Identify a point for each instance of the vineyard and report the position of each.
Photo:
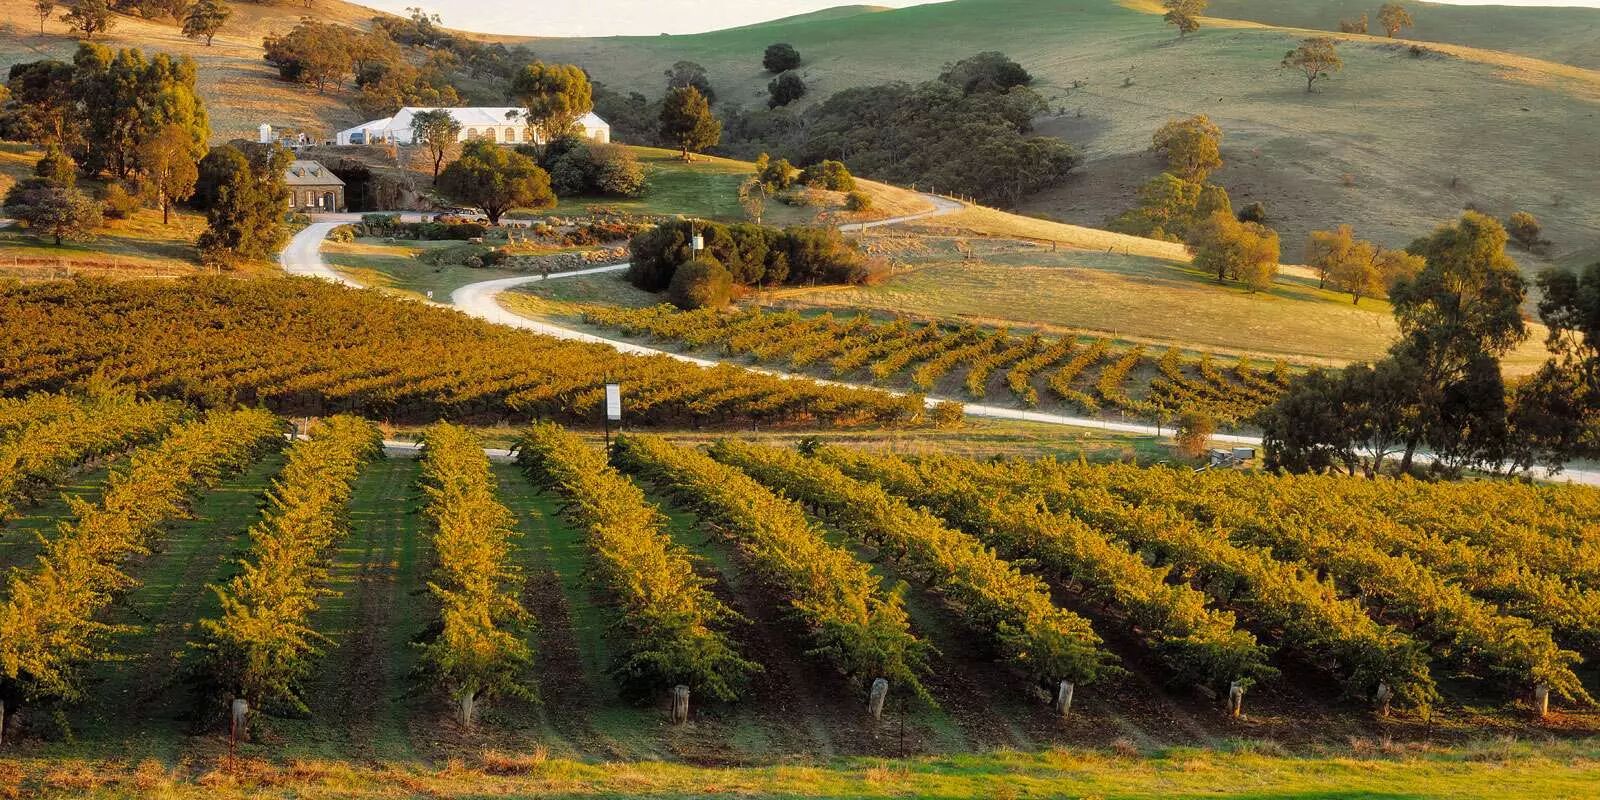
(309, 348)
(1086, 376)
(436, 604)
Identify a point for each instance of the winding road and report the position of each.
(303, 257)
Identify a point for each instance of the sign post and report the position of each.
(613, 410)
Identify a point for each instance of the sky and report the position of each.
(650, 17)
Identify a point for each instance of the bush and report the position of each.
(117, 202)
(343, 233)
(858, 202)
(1255, 212)
(752, 254)
(578, 167)
(1195, 429)
(780, 57)
(1525, 229)
(785, 89)
(775, 175)
(701, 283)
(468, 254)
(830, 175)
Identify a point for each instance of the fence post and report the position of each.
(879, 693)
(1064, 699)
(680, 704)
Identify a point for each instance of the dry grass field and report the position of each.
(240, 89)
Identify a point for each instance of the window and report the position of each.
(472, 133)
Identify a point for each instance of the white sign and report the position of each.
(614, 402)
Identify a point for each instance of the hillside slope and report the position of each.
(1565, 35)
(1394, 145)
(240, 89)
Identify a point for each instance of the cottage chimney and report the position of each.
(266, 134)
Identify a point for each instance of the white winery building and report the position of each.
(504, 125)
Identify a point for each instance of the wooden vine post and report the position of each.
(1064, 699)
(1383, 697)
(680, 704)
(879, 693)
(1236, 699)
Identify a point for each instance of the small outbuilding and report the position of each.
(314, 188)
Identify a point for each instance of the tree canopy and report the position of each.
(1394, 18)
(687, 122)
(1184, 14)
(244, 221)
(785, 89)
(438, 132)
(1316, 58)
(50, 203)
(780, 57)
(555, 97)
(205, 18)
(495, 179)
(1192, 147)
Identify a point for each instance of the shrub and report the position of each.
(775, 175)
(117, 202)
(701, 283)
(1524, 229)
(343, 233)
(780, 57)
(785, 89)
(1255, 212)
(1195, 429)
(752, 254)
(830, 175)
(858, 202)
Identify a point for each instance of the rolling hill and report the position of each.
(1394, 145)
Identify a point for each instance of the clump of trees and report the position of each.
(1192, 147)
(1525, 230)
(106, 105)
(969, 132)
(829, 175)
(753, 255)
(780, 58)
(1172, 205)
(1243, 251)
(687, 122)
(244, 195)
(50, 204)
(1358, 25)
(1316, 58)
(495, 179)
(1440, 387)
(1184, 14)
(579, 167)
(1357, 267)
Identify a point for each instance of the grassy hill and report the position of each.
(1565, 35)
(1394, 145)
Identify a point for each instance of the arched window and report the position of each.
(472, 133)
